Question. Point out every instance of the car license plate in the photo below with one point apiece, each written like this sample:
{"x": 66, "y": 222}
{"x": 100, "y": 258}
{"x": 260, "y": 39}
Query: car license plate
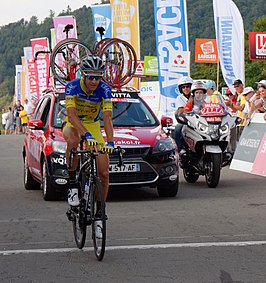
{"x": 133, "y": 167}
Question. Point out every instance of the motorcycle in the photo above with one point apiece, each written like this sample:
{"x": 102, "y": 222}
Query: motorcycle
{"x": 206, "y": 137}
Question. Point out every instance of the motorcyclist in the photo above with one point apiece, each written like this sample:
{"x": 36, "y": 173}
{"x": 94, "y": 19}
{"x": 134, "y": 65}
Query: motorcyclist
{"x": 197, "y": 98}
{"x": 184, "y": 86}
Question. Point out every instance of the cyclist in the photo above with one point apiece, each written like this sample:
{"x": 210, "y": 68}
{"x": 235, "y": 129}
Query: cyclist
{"x": 85, "y": 98}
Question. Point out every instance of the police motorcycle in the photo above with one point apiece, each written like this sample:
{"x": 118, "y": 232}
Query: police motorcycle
{"x": 206, "y": 136}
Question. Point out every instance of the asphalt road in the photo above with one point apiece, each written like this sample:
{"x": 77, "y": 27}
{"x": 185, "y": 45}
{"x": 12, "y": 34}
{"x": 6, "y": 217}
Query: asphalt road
{"x": 203, "y": 235}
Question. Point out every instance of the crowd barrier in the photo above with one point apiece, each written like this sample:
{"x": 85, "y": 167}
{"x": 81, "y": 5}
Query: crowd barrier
{"x": 250, "y": 154}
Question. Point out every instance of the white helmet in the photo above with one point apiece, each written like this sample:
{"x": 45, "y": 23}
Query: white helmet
{"x": 198, "y": 85}
{"x": 183, "y": 81}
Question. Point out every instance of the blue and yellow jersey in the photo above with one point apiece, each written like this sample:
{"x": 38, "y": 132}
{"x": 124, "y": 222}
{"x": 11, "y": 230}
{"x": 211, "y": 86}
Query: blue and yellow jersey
{"x": 88, "y": 106}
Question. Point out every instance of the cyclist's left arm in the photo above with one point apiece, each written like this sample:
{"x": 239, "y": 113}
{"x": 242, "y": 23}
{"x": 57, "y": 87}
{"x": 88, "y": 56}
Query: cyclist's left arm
{"x": 108, "y": 125}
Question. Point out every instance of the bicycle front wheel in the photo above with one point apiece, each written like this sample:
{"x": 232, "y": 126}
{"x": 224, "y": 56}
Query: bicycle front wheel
{"x": 66, "y": 58}
{"x": 98, "y": 218}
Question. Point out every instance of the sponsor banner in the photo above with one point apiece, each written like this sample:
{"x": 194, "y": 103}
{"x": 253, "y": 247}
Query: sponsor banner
{"x": 257, "y": 45}
{"x": 151, "y": 66}
{"x": 52, "y": 32}
{"x": 139, "y": 68}
{"x": 230, "y": 40}
{"x": 125, "y": 19}
{"x": 101, "y": 16}
{"x": 18, "y": 82}
{"x": 171, "y": 39}
{"x": 59, "y": 26}
{"x": 42, "y": 63}
{"x": 31, "y": 79}
{"x": 206, "y": 50}
{"x": 23, "y": 79}
{"x": 150, "y": 93}
{"x": 250, "y": 155}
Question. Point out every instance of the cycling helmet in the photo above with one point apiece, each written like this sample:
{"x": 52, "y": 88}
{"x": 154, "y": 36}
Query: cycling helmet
{"x": 92, "y": 64}
{"x": 183, "y": 81}
{"x": 210, "y": 84}
{"x": 198, "y": 85}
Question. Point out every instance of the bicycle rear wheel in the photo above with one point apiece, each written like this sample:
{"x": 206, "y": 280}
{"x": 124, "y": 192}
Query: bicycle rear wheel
{"x": 66, "y": 58}
{"x": 98, "y": 219}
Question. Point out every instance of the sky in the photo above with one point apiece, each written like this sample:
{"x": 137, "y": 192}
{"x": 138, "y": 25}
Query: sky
{"x": 14, "y": 10}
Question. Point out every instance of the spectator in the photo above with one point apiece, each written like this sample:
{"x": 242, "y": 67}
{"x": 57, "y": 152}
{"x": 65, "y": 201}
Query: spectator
{"x": 24, "y": 119}
{"x": 232, "y": 100}
{"x": 184, "y": 86}
{"x": 18, "y": 108}
{"x": 249, "y": 96}
{"x": 28, "y": 107}
{"x": 4, "y": 118}
{"x": 9, "y": 128}
{"x": 211, "y": 87}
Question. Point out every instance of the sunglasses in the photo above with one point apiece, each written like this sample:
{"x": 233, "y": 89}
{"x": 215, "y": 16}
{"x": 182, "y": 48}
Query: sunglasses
{"x": 236, "y": 85}
{"x": 91, "y": 77}
{"x": 186, "y": 86}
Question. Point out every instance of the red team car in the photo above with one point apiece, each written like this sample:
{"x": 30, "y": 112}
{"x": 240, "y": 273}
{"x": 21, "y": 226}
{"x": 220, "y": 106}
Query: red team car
{"x": 150, "y": 157}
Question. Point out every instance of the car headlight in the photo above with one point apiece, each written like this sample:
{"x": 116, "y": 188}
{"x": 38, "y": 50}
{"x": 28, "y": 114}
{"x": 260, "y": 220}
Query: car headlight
{"x": 164, "y": 145}
{"x": 59, "y": 146}
{"x": 202, "y": 127}
{"x": 224, "y": 129}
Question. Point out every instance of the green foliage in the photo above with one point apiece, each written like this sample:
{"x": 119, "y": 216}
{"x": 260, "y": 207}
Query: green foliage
{"x": 15, "y": 36}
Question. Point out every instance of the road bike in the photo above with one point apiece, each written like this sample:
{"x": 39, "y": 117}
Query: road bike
{"x": 91, "y": 199}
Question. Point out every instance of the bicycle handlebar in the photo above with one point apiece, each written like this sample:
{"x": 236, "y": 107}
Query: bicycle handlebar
{"x": 40, "y": 52}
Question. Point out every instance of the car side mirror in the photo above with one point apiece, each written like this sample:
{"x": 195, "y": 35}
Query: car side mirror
{"x": 36, "y": 124}
{"x": 166, "y": 121}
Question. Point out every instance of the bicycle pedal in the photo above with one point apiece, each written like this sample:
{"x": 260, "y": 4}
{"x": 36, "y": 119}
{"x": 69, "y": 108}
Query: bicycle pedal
{"x": 70, "y": 215}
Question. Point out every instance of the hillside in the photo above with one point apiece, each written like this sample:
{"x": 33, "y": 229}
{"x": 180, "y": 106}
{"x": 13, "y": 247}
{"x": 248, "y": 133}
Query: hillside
{"x": 15, "y": 36}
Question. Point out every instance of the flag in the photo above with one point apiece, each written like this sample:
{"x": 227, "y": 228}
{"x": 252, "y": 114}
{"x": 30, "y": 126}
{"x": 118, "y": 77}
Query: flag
{"x": 101, "y": 15}
{"x": 230, "y": 40}
{"x": 172, "y": 50}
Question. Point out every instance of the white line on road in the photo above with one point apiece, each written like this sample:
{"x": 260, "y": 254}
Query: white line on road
{"x": 139, "y": 247}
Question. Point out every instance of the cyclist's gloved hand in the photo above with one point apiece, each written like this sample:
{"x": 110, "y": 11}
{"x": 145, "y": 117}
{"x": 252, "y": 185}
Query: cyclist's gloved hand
{"x": 109, "y": 148}
{"x": 90, "y": 139}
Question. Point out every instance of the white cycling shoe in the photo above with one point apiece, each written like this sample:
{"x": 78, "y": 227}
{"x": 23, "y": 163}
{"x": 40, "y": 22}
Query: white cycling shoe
{"x": 98, "y": 226}
{"x": 73, "y": 197}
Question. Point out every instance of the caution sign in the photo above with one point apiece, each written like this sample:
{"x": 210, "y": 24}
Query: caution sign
{"x": 250, "y": 155}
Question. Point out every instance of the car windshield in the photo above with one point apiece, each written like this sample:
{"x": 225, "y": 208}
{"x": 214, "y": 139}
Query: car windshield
{"x": 59, "y": 112}
{"x": 131, "y": 112}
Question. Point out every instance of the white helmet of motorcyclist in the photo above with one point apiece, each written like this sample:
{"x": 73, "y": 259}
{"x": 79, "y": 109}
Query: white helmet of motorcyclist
{"x": 185, "y": 80}
{"x": 198, "y": 85}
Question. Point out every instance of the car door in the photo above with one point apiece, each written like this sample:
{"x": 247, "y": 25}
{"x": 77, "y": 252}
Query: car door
{"x": 38, "y": 137}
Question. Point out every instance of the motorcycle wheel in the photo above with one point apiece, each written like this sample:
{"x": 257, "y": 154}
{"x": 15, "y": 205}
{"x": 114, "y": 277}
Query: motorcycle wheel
{"x": 213, "y": 170}
{"x": 190, "y": 176}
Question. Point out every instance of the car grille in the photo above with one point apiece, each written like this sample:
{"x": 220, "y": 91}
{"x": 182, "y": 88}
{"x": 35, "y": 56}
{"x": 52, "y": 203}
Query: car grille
{"x": 135, "y": 150}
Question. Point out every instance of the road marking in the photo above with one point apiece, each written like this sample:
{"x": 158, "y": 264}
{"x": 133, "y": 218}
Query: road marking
{"x": 139, "y": 247}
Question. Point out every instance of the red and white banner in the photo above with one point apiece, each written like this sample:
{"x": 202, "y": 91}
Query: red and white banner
{"x": 59, "y": 26}
{"x": 230, "y": 40}
{"x": 257, "y": 45}
{"x": 31, "y": 79}
{"x": 42, "y": 63}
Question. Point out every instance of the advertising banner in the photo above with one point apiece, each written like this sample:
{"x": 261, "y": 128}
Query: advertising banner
{"x": 42, "y": 63}
{"x": 257, "y": 45}
{"x": 31, "y": 79}
{"x": 250, "y": 155}
{"x": 171, "y": 39}
{"x": 23, "y": 79}
{"x": 230, "y": 40}
{"x": 101, "y": 16}
{"x": 59, "y": 26}
{"x": 151, "y": 66}
{"x": 206, "y": 50}
{"x": 125, "y": 19}
{"x": 18, "y": 82}
{"x": 150, "y": 93}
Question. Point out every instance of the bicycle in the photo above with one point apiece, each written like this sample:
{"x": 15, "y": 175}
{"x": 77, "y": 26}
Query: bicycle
{"x": 90, "y": 193}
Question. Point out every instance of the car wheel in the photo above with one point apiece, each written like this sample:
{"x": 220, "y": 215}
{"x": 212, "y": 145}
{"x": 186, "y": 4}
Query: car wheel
{"x": 29, "y": 182}
{"x": 167, "y": 189}
{"x": 47, "y": 188}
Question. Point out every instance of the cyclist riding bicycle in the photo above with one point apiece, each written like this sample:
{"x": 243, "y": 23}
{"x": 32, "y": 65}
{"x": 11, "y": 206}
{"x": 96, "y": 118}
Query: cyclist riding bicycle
{"x": 85, "y": 98}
